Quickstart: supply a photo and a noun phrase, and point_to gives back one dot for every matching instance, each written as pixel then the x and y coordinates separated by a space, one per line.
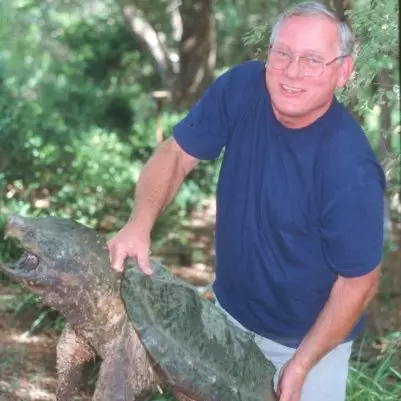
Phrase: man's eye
pixel 313 60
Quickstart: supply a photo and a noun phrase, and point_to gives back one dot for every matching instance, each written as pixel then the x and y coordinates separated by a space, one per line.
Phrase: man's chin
pixel 290 116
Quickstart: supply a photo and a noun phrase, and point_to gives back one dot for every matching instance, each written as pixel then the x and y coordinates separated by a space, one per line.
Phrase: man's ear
pixel 344 71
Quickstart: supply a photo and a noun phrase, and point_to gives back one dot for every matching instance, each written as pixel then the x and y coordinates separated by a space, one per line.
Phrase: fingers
pixel 117 258
pixel 118 262
pixel 144 264
pixel 118 254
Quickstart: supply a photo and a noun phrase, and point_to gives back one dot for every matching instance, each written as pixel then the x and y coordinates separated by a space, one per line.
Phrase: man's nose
pixel 294 68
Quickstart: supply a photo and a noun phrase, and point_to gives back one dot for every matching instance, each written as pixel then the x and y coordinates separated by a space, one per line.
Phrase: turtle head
pixel 63 261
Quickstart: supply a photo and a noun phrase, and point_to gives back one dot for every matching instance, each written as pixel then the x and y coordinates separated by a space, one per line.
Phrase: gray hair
pixel 346 37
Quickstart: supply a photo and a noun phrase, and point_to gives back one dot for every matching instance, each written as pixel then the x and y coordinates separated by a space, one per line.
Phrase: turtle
pixel 150 332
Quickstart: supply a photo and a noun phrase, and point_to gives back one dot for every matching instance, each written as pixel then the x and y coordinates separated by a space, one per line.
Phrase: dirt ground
pixel 27 361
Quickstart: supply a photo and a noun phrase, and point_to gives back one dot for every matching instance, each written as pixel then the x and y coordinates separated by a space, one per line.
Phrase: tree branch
pixel 149 37
pixel 176 20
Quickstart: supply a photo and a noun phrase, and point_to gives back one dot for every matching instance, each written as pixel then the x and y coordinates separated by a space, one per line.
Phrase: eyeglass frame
pixel 325 64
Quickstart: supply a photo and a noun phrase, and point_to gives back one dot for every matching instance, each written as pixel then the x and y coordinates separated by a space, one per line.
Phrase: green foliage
pixel 75 134
pixel 375 85
pixel 379 378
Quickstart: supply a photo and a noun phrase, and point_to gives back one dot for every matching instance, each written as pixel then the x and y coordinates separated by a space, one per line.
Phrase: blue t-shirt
pixel 295 207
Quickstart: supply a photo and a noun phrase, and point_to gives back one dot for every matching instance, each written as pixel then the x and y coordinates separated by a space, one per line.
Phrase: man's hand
pixel 291 380
pixel 130 242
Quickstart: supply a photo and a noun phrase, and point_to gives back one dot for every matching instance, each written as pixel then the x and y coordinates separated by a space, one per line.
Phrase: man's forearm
pixel 348 299
pixel 157 186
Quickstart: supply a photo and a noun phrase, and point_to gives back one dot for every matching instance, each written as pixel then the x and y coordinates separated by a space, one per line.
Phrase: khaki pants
pixel 326 381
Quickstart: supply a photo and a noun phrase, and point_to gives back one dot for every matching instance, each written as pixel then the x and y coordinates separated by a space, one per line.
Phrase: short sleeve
pixel 204 131
pixel 352 227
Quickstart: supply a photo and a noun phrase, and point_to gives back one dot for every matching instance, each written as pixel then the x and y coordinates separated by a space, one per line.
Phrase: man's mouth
pixel 290 89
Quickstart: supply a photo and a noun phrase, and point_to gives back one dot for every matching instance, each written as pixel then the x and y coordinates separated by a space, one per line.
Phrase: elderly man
pixel 299 226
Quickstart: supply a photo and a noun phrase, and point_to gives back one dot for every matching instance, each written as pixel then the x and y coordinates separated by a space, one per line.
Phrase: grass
pixel 379 377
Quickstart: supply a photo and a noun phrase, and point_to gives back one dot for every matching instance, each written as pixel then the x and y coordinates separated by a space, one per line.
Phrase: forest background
pixel 89 88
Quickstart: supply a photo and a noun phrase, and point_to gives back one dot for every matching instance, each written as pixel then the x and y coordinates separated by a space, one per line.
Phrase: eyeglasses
pixel 311 66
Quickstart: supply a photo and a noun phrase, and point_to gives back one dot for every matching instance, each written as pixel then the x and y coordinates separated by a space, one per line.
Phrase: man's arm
pixel 157 186
pixel 348 299
pixel 159 182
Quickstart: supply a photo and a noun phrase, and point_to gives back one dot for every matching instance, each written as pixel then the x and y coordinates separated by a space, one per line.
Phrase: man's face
pixel 297 99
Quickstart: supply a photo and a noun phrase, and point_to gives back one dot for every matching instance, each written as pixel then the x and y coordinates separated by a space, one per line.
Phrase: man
pixel 299 225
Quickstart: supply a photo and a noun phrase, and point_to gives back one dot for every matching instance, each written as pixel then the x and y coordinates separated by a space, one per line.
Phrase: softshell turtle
pixel 148 330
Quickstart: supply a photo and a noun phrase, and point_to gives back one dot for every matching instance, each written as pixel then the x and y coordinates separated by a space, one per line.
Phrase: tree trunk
pixel 197 51
pixel 341 6
pixel 147 35
pixel 385 117
pixel 193 26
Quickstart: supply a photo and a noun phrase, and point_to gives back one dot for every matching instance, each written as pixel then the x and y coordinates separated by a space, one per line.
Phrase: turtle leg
pixel 72 353
pixel 111 382
pixel 126 373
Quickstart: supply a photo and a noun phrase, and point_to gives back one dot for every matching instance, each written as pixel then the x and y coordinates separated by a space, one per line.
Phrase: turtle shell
pixel 201 352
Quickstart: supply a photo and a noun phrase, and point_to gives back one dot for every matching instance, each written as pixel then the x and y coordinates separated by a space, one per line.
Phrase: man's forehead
pixel 314 33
